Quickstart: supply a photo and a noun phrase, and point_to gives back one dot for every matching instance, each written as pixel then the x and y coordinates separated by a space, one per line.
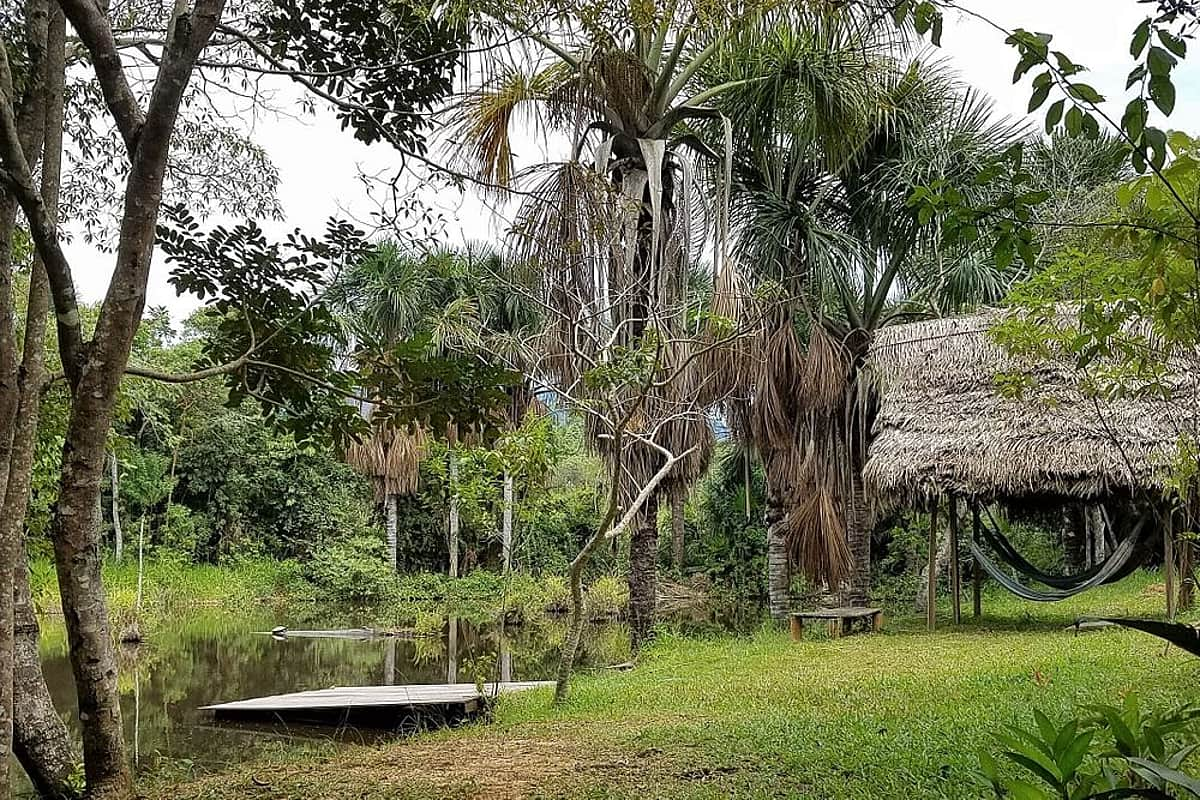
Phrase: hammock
pixel 1119 564
pixel 1009 555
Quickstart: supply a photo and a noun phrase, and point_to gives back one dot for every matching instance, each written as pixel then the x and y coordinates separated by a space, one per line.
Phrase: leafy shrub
pixel 607 596
pixel 354 570
pixel 1109 751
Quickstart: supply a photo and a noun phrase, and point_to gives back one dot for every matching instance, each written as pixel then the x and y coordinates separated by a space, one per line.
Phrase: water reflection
pixel 206 658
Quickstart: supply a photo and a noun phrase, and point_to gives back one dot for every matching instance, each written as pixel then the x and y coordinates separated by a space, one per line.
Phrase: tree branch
pixel 91 23
pixel 17 176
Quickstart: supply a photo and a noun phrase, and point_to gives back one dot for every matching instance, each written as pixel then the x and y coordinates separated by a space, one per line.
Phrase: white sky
pixel 319 163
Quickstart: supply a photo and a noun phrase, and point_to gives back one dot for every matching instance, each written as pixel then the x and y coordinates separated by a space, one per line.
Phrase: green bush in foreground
pixel 1108 752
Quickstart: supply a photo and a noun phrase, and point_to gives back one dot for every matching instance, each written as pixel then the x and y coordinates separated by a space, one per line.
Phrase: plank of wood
pixel 375 696
pixel 837 613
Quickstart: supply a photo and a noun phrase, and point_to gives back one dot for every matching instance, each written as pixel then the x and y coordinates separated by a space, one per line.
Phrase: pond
pixel 213 656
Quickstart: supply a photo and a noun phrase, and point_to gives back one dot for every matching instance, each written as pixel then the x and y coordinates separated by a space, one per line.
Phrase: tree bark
pixel 452 525
pixel 506 526
pixel 391 513
pixel 115 481
pixel 10 544
pixel 779 579
pixel 857 591
pixel 643 574
pixel 40 739
pixel 678 555
pixel 94 372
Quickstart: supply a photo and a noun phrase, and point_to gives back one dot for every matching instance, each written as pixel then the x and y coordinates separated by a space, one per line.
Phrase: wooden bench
pixel 840 620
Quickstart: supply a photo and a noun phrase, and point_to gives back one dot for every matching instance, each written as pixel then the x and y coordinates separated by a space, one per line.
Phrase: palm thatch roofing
pixel 945 425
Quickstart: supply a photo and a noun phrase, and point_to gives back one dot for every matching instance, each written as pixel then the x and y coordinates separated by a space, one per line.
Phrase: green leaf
pixel 1123 194
pixel 1162 92
pixel 1066 735
pixel 1141 37
pixel 1160 61
pixel 1021 790
pixel 1138 158
pixel 1180 142
pixel 1135 75
pixel 1073 755
pixel 1126 743
pixel 1033 765
pixel 1074 121
pixel 989 768
pixel 1134 119
pixel 1065 65
pixel 1046 728
pixel 1039 96
pixel 1086 93
pixel 1054 114
pixel 1175 44
pixel 1157 142
pixel 1163 772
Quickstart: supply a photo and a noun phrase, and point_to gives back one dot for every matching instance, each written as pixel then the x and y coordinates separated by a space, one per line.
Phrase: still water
pixel 213 656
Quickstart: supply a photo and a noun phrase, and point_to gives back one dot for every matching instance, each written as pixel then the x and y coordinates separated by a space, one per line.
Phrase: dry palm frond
pixel 824 380
pixel 816 536
pixel 391 458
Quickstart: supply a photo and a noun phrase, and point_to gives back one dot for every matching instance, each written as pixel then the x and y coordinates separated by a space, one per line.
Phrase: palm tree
pixel 612 229
pixel 820 208
pixel 450 305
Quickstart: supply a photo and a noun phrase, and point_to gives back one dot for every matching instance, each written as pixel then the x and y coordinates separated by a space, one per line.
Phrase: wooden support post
pixel 1187 573
pixel 797 628
pixel 1169 563
pixel 931 593
pixel 976 570
pixel 955 577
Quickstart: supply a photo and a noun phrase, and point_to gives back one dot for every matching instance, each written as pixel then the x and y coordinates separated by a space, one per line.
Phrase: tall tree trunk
pixel 643 574
pixel 779 580
pixel 506 526
pixel 391 514
pixel 857 591
pixel 28 123
pixel 40 739
pixel 115 481
pixel 10 544
pixel 452 526
pixel 94 372
pixel 677 520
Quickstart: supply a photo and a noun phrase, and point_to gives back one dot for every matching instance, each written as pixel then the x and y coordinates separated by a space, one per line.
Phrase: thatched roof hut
pixel 945 425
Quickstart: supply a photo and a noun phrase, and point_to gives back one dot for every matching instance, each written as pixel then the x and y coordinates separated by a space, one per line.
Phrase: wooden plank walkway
pixel 375 706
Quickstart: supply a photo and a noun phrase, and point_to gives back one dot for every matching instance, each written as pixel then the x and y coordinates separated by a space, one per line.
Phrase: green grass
pixel 899 714
pixel 170 585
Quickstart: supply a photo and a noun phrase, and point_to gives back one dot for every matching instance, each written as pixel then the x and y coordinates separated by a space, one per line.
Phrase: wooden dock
pixel 371 706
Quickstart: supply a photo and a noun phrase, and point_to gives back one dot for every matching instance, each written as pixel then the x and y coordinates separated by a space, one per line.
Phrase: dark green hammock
pixel 1119 564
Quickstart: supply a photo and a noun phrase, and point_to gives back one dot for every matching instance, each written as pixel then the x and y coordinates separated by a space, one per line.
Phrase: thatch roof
pixel 944 425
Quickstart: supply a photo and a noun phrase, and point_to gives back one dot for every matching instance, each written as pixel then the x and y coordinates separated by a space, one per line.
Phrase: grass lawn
pixel 900 714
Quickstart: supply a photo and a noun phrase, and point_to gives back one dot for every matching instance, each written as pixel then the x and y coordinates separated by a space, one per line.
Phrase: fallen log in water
pixel 282 632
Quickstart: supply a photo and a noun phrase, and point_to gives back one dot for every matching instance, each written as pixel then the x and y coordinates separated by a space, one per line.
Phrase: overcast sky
pixel 319 164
